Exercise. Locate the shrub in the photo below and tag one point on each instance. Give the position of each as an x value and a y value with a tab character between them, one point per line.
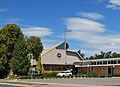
12	76
50	75
23	77
91	74
109	75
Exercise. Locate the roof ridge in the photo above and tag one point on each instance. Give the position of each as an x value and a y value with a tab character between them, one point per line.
51	48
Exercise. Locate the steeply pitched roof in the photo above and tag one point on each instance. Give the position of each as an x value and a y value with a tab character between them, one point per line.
51	48
75	52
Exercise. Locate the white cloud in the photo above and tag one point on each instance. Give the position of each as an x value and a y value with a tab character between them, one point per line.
89	53
115	4
92	35
41	32
48	42
91	15
84	25
5	21
3	10
36	31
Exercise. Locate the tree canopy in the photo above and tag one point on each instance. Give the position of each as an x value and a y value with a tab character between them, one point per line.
8	37
14	49
35	46
20	62
103	55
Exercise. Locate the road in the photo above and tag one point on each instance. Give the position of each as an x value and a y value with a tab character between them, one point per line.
80	81
70	82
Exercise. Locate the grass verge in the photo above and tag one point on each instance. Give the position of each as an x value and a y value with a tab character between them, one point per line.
22	83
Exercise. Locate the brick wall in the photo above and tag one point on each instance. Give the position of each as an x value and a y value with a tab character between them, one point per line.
101	70
117	70
96	69
55	68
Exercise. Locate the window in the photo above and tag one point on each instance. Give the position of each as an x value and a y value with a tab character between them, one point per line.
114	62
94	63
60	47
100	62
109	62
81	64
104	62
118	61
85	63
59	68
67	72
63	68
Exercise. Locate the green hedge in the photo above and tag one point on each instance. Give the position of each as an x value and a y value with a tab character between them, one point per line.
50	75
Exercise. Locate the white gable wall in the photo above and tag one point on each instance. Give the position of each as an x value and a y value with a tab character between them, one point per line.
51	57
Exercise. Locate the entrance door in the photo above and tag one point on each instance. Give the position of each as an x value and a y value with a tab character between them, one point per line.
110	71
75	70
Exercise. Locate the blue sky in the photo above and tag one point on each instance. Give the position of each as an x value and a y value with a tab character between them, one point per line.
94	24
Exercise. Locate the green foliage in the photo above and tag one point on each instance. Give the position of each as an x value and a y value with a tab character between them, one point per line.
115	55
12	76
25	77
14	50
38	65
20	62
81	54
35	46
91	74
49	75
103	55
3	57
8	37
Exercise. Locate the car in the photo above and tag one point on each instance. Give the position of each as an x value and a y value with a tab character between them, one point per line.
31	72
65	73
35	73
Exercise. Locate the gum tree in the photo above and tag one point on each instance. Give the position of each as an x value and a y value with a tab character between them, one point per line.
20	62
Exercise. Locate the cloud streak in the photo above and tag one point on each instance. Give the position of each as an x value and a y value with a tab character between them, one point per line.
3	10
48	42
84	25
114	4
91	15
36	31
41	32
92	35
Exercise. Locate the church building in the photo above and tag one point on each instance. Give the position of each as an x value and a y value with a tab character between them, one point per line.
58	58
